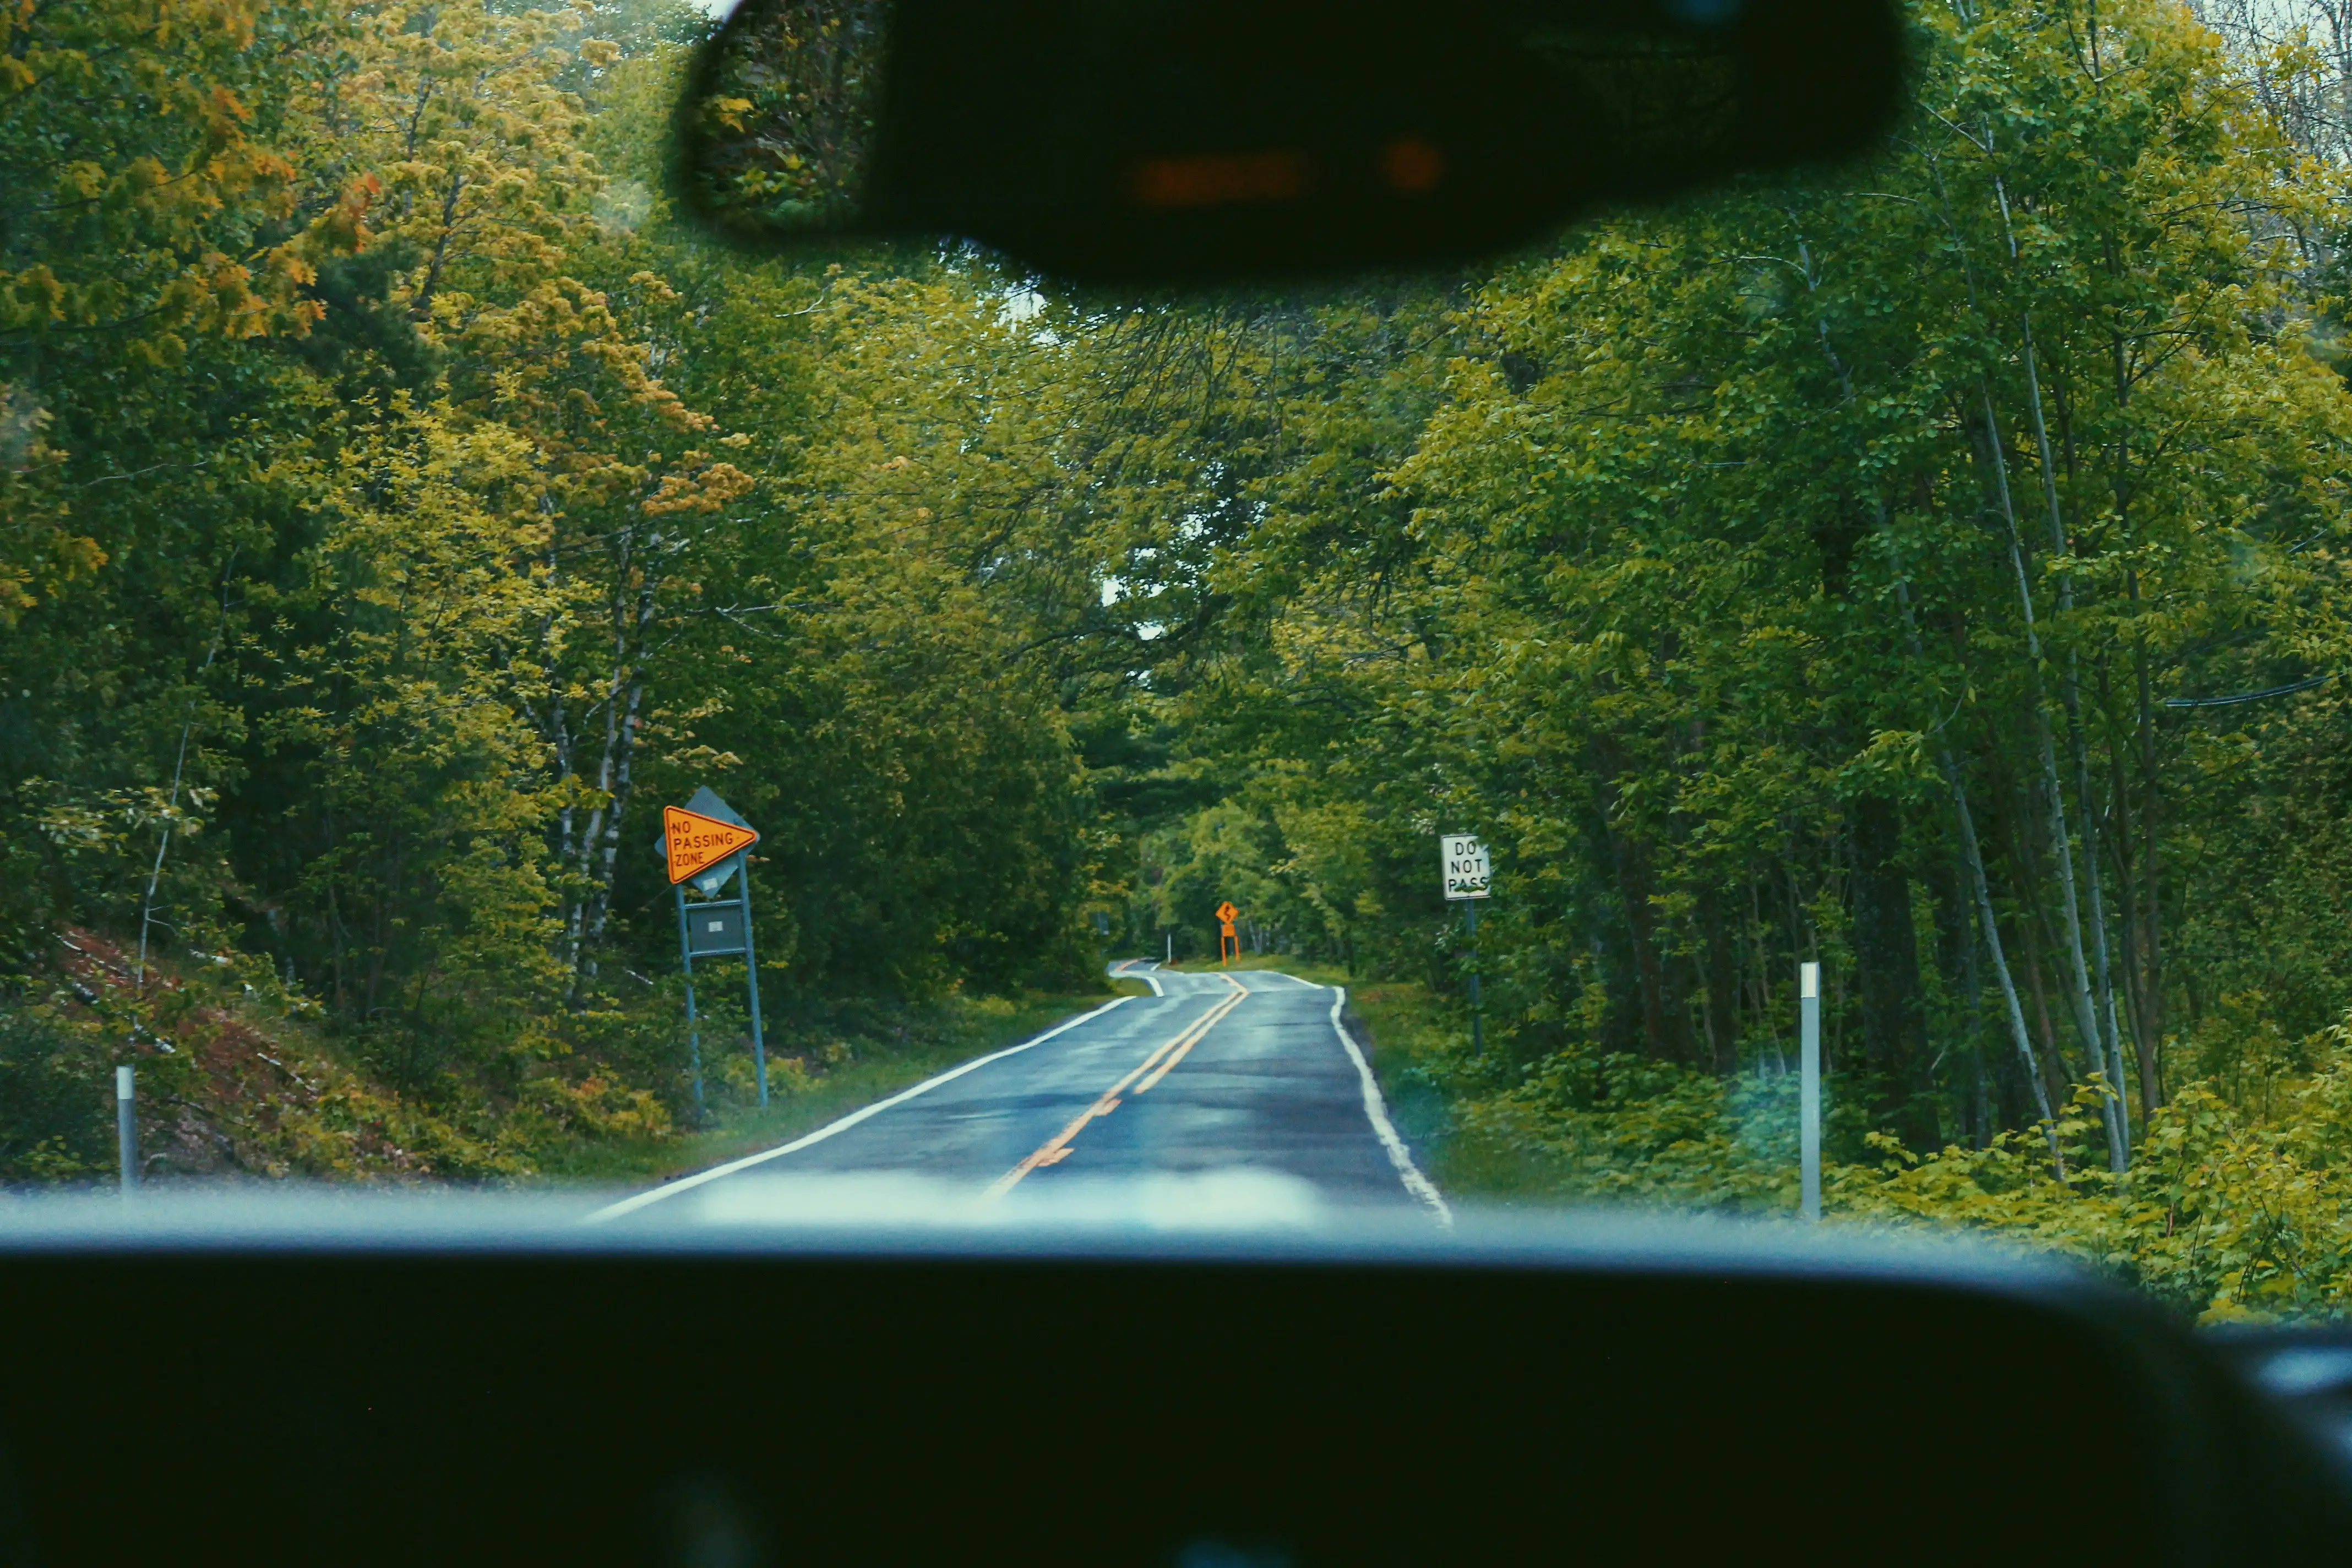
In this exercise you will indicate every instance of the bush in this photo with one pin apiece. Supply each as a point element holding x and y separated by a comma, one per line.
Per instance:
<point>57,1100</point>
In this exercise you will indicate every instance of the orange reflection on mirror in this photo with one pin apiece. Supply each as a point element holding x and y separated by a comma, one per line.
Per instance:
<point>1412,165</point>
<point>1217,181</point>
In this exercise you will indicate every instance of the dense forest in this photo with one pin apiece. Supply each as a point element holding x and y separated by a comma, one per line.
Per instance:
<point>1929,567</point>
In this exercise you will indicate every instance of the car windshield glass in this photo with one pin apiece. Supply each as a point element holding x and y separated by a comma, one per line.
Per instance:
<point>1817,700</point>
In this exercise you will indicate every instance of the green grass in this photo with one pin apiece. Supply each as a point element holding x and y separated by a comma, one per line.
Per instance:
<point>964,1029</point>
<point>1417,1045</point>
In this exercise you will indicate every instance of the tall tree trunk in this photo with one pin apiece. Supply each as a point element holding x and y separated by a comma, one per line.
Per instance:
<point>1886,956</point>
<point>593,857</point>
<point>1956,961</point>
<point>1760,971</point>
<point>2121,844</point>
<point>2151,967</point>
<point>179,768</point>
<point>2120,1148</point>
<point>2145,979</point>
<point>1640,924</point>
<point>1722,986</point>
<point>2055,1067</point>
<point>1973,988</point>
<point>2100,1045</point>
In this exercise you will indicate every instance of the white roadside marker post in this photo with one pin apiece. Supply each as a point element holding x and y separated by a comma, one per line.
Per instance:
<point>1808,1098</point>
<point>126,1127</point>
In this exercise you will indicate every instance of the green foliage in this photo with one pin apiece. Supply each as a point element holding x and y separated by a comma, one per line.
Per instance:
<point>2231,1212</point>
<point>394,492</point>
<point>1712,563</point>
<point>56,1099</point>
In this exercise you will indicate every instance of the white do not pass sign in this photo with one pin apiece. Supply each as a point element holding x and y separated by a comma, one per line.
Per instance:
<point>1467,872</point>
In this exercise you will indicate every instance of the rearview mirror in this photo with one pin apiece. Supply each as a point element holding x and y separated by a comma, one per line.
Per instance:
<point>1140,140</point>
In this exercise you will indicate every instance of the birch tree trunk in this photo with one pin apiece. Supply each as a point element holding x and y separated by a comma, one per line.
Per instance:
<point>589,832</point>
<point>619,779</point>
<point>2085,1014</point>
<point>2095,1045</point>
<point>2101,1046</point>
<point>632,605</point>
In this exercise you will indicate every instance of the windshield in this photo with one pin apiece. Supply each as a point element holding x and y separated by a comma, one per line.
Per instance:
<point>1818,699</point>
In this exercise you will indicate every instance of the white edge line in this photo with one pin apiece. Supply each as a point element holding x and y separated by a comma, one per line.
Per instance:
<point>1376,1109</point>
<point>1124,972</point>
<point>670,1189</point>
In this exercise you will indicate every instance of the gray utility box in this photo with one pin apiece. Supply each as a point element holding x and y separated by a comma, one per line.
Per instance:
<point>715,929</point>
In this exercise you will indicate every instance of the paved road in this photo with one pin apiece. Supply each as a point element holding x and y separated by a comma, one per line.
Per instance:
<point>1246,1071</point>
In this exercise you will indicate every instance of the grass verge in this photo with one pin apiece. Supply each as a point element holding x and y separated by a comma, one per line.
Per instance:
<point>1419,1047</point>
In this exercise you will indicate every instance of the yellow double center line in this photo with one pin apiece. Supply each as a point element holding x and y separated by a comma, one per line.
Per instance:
<point>1152,1068</point>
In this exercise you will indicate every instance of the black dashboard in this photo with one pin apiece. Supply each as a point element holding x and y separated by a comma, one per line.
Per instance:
<point>475,1381</point>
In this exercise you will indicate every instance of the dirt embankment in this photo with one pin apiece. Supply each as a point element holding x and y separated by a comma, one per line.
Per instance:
<point>231,1081</point>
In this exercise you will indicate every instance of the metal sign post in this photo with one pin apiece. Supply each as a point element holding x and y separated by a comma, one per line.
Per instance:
<point>126,1127</point>
<point>693,1025</point>
<point>707,845</point>
<point>1809,1094</point>
<point>1469,879</point>
<point>751,981</point>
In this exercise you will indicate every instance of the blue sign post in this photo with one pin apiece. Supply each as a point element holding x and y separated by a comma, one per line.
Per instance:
<point>693,1027</point>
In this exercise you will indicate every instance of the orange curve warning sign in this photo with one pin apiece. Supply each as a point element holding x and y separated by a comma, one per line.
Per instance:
<point>697,842</point>
<point>1225,911</point>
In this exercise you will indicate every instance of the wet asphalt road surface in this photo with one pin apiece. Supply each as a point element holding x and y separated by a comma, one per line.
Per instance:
<point>1224,1072</point>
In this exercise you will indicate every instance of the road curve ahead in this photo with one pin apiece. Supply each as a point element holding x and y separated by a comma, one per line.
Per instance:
<point>1247,1071</point>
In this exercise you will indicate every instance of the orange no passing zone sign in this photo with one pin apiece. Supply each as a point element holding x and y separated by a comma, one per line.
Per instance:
<point>697,843</point>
